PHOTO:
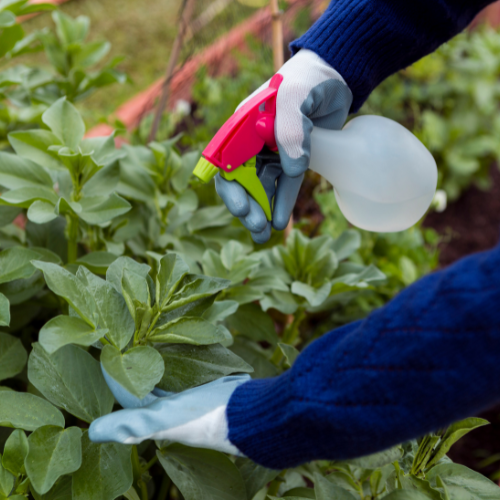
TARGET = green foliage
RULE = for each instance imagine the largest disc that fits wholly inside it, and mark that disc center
(127, 264)
(403, 257)
(449, 100)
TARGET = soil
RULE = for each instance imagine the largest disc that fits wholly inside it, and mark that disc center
(471, 224)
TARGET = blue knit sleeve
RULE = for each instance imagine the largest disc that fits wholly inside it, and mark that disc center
(368, 40)
(429, 357)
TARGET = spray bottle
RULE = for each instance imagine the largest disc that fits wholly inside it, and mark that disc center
(383, 176)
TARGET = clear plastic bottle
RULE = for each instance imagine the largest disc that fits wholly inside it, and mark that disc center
(384, 177)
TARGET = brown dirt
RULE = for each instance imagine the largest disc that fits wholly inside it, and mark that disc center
(471, 224)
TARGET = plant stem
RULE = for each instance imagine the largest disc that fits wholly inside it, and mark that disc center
(72, 238)
(275, 484)
(137, 471)
(150, 463)
(165, 486)
(144, 490)
(289, 336)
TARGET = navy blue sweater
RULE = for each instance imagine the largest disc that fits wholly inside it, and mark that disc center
(368, 40)
(429, 357)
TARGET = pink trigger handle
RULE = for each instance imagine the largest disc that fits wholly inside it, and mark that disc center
(247, 131)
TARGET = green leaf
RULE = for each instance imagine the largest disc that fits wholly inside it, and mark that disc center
(134, 286)
(197, 287)
(315, 296)
(6, 481)
(70, 288)
(65, 122)
(112, 311)
(326, 490)
(250, 321)
(409, 271)
(64, 330)
(23, 197)
(15, 451)
(4, 317)
(406, 494)
(188, 366)
(423, 486)
(13, 356)
(453, 433)
(34, 145)
(60, 491)
(138, 370)
(91, 53)
(187, 330)
(115, 271)
(8, 214)
(346, 244)
(7, 19)
(255, 476)
(212, 264)
(26, 411)
(244, 294)
(17, 172)
(97, 262)
(289, 352)
(230, 253)
(41, 212)
(38, 7)
(379, 459)
(210, 217)
(70, 30)
(463, 483)
(102, 209)
(59, 378)
(104, 182)
(53, 451)
(9, 37)
(200, 473)
(172, 271)
(15, 263)
(255, 356)
(220, 310)
(49, 236)
(106, 471)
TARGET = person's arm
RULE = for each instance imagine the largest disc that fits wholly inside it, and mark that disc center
(368, 40)
(431, 356)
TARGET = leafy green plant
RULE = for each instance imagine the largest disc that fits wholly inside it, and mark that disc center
(166, 213)
(403, 257)
(125, 261)
(28, 90)
(449, 99)
(57, 172)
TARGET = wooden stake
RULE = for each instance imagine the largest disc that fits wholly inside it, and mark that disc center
(277, 24)
(279, 59)
(187, 13)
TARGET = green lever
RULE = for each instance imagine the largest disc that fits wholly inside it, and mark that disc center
(246, 176)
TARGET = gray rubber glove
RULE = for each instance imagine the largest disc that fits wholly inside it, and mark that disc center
(312, 94)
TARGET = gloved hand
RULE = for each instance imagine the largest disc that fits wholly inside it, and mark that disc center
(195, 417)
(312, 94)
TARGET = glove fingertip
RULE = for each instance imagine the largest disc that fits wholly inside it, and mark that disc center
(263, 236)
(233, 196)
(124, 397)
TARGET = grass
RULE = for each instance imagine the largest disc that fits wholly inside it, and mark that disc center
(143, 32)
